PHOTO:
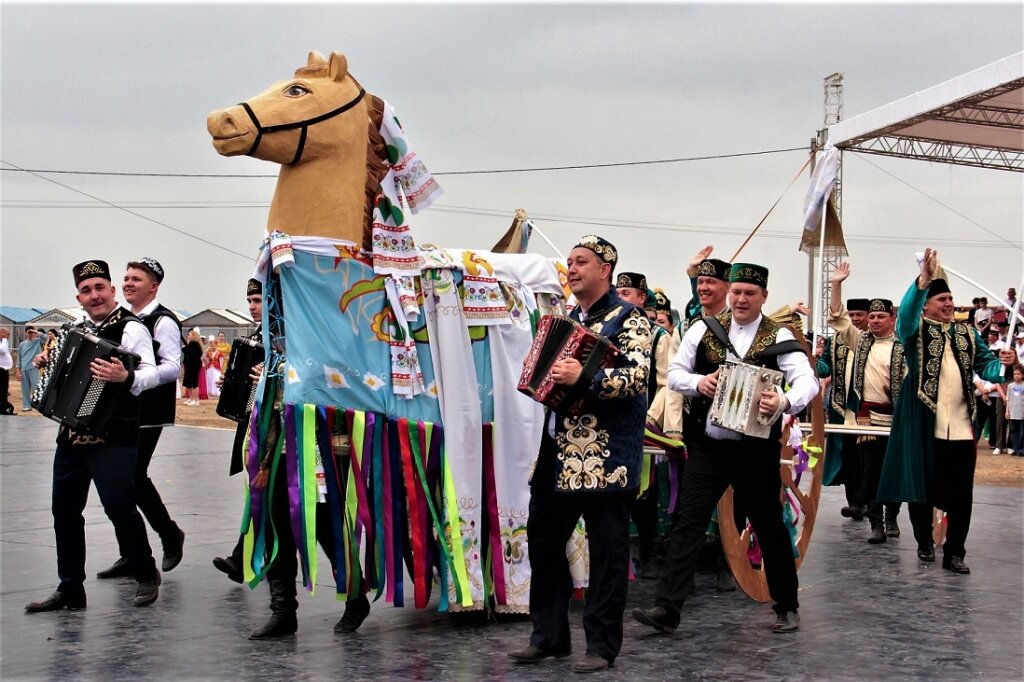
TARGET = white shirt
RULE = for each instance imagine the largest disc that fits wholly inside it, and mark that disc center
(167, 335)
(135, 337)
(6, 361)
(803, 384)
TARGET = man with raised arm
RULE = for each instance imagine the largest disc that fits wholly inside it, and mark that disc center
(931, 455)
(877, 371)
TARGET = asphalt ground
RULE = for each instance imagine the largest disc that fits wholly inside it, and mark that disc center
(869, 612)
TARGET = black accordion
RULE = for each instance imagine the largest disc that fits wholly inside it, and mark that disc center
(559, 338)
(238, 393)
(69, 394)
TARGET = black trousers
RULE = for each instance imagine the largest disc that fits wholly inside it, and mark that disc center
(871, 454)
(553, 516)
(850, 473)
(113, 471)
(146, 496)
(5, 388)
(644, 512)
(285, 568)
(753, 472)
(954, 493)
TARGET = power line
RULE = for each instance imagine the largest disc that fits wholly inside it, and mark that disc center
(537, 169)
(937, 201)
(502, 213)
(130, 212)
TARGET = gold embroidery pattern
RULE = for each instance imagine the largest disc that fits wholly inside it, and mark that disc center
(932, 346)
(896, 365)
(634, 340)
(897, 370)
(583, 450)
(605, 251)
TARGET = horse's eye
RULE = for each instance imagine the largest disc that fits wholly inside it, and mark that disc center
(296, 90)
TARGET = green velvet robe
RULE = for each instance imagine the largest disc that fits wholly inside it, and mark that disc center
(909, 468)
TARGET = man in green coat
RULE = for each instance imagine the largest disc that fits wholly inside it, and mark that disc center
(931, 455)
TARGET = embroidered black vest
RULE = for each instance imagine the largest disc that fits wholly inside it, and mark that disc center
(123, 428)
(840, 356)
(930, 350)
(711, 355)
(157, 405)
(897, 365)
(652, 381)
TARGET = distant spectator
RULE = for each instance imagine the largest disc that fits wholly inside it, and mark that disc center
(1011, 300)
(28, 373)
(6, 363)
(976, 302)
(983, 315)
(1019, 347)
(1015, 411)
(192, 361)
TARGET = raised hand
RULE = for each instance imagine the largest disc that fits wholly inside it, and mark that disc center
(691, 267)
(841, 272)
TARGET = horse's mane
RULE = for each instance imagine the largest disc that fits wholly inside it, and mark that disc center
(377, 165)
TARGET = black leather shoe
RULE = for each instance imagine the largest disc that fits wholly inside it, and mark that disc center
(591, 663)
(926, 552)
(278, 625)
(356, 611)
(173, 551)
(956, 564)
(56, 602)
(853, 512)
(227, 566)
(788, 621)
(892, 529)
(122, 568)
(147, 592)
(658, 617)
(877, 536)
(534, 654)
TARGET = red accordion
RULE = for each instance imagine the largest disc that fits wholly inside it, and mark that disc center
(559, 338)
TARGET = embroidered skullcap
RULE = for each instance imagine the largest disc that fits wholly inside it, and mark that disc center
(151, 266)
(712, 267)
(858, 305)
(254, 286)
(938, 286)
(91, 268)
(748, 273)
(662, 303)
(631, 280)
(600, 246)
(880, 305)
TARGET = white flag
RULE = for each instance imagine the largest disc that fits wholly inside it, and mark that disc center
(823, 180)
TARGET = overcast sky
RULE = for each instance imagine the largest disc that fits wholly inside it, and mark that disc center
(127, 88)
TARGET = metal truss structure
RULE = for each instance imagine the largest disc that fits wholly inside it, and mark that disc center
(980, 110)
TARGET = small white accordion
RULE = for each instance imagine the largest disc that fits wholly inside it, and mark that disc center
(735, 406)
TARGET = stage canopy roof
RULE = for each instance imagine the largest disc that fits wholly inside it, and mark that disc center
(976, 119)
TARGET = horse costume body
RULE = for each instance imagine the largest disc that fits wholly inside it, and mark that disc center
(401, 358)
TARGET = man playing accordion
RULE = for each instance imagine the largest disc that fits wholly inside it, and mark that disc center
(589, 466)
(108, 458)
(719, 458)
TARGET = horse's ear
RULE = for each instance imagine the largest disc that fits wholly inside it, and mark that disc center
(339, 66)
(316, 58)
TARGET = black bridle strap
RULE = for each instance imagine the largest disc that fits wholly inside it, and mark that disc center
(261, 129)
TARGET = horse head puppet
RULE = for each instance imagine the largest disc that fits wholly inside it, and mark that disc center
(320, 124)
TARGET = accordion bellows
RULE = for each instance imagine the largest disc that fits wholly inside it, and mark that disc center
(560, 338)
(738, 396)
(68, 392)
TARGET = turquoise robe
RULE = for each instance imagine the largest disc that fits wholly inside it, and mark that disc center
(908, 473)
